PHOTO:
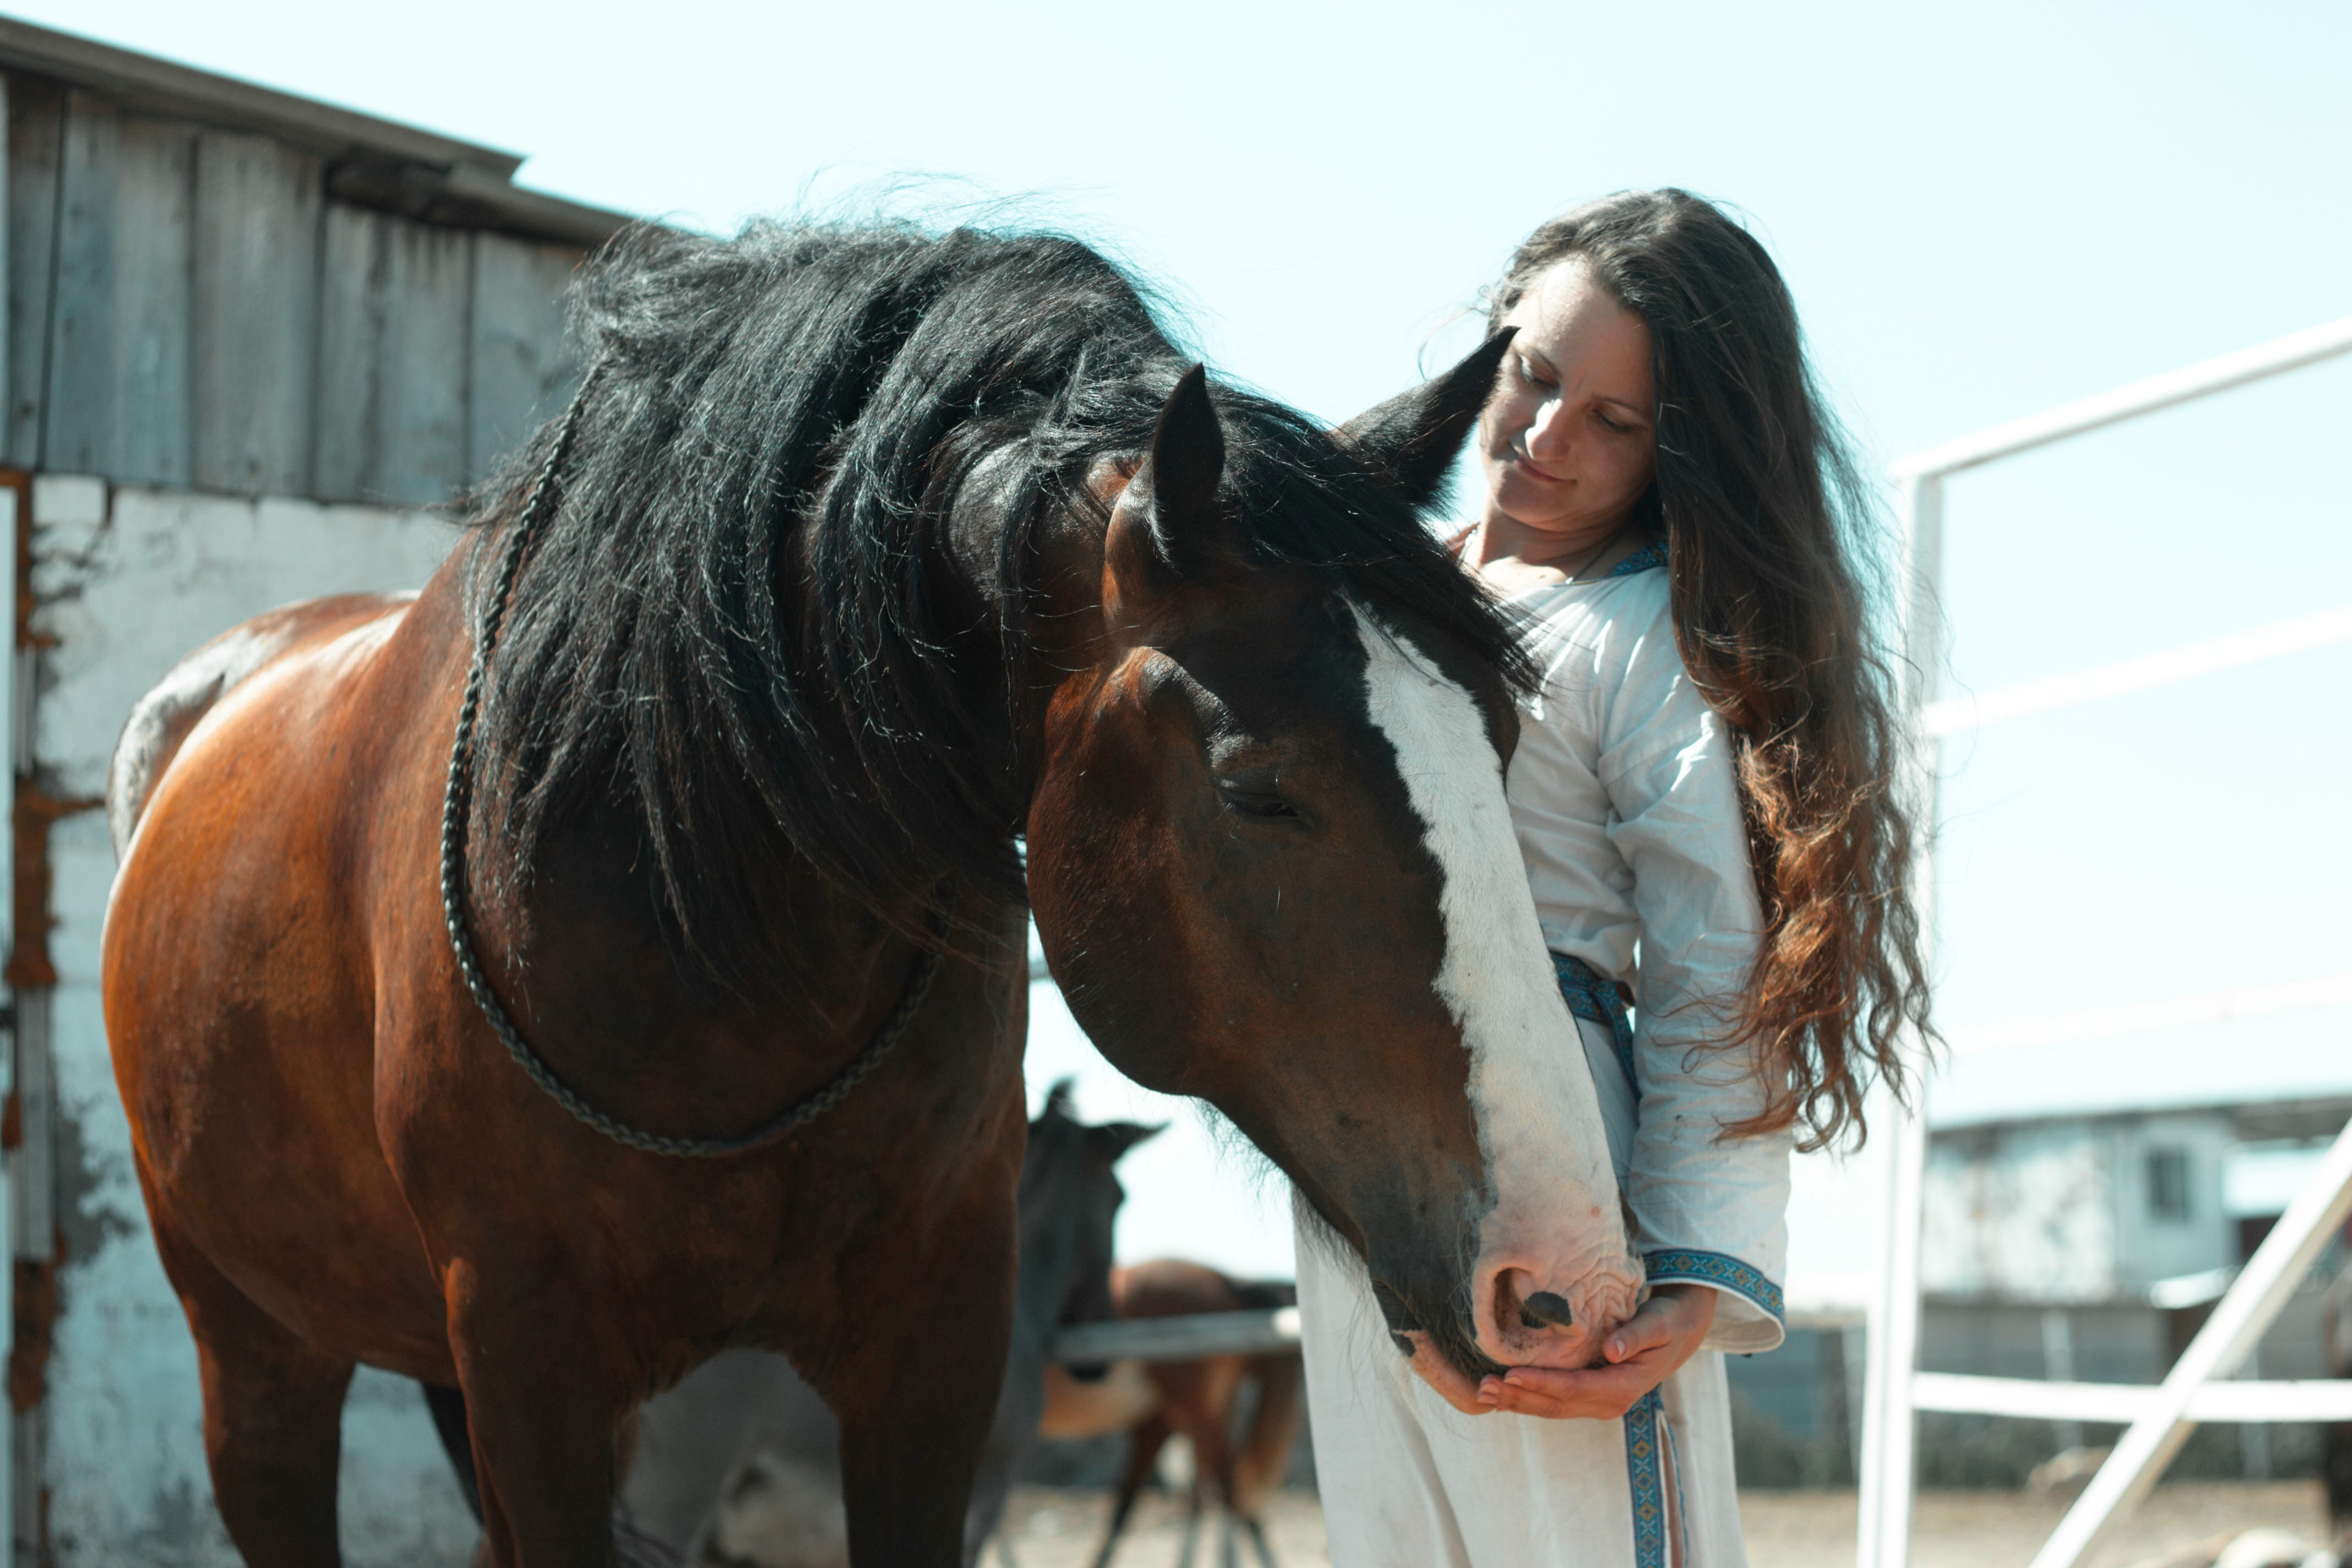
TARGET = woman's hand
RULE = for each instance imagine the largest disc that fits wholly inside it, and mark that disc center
(1643, 1351)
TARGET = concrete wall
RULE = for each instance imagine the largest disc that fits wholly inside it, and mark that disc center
(127, 579)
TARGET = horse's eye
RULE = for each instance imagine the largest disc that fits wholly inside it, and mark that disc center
(1263, 804)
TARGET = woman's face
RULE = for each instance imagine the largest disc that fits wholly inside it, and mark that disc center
(1567, 438)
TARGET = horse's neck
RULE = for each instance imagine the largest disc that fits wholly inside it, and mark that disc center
(590, 883)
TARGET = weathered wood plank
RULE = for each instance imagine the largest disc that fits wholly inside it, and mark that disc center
(118, 384)
(154, 211)
(37, 111)
(81, 322)
(351, 261)
(255, 349)
(6, 270)
(393, 310)
(524, 365)
(425, 364)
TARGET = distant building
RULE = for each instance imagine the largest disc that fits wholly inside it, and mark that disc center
(2125, 1209)
(2076, 1210)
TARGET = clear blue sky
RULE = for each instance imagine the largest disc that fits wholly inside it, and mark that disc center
(1984, 210)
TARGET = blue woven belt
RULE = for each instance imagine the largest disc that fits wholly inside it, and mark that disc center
(1593, 996)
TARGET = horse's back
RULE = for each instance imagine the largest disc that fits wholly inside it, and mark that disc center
(161, 723)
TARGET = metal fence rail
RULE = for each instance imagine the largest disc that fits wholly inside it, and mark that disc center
(1187, 1338)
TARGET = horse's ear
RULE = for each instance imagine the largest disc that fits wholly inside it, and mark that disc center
(1114, 1139)
(1166, 528)
(1413, 438)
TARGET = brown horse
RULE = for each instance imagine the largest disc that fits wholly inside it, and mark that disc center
(862, 554)
(1198, 1400)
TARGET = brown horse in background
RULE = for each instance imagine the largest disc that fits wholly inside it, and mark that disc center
(1199, 1400)
(862, 554)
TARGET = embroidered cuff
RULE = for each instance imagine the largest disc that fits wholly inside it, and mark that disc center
(1716, 1268)
(1750, 1320)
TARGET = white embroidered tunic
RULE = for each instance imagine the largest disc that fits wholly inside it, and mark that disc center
(1625, 800)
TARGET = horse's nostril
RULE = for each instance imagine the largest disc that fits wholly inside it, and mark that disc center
(1403, 1345)
(1546, 1309)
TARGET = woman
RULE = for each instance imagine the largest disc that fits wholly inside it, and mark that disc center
(1701, 792)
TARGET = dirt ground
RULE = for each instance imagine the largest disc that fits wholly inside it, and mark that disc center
(1052, 1529)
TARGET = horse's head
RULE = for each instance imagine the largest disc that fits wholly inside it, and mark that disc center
(1272, 865)
(1070, 1197)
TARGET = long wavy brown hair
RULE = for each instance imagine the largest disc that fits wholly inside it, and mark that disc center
(1770, 540)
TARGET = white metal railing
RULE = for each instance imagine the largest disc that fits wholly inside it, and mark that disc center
(1955, 714)
(2160, 1416)
(2121, 1404)
(2203, 379)
(1187, 1337)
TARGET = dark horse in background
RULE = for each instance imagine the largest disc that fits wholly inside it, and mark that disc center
(869, 552)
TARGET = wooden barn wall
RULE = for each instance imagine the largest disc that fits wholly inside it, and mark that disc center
(187, 309)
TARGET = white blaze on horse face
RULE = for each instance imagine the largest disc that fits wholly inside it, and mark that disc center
(1557, 1224)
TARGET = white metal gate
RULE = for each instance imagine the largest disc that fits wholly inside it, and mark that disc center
(2161, 1416)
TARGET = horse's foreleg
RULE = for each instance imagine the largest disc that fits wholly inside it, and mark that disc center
(916, 1399)
(1212, 1466)
(1257, 1527)
(1193, 1508)
(545, 1417)
(1143, 1445)
(273, 1417)
(908, 1457)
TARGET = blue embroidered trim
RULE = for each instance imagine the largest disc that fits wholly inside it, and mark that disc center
(1594, 997)
(1646, 1468)
(1650, 555)
(1715, 1268)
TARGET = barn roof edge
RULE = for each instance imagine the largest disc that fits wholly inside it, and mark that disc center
(419, 173)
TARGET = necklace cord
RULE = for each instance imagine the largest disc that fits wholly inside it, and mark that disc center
(456, 802)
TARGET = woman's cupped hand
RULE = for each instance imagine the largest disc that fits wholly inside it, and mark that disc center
(1641, 1352)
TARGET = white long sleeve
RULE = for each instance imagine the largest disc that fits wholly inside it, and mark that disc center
(1625, 799)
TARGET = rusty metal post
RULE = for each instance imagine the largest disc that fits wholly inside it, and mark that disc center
(28, 1120)
(26, 1124)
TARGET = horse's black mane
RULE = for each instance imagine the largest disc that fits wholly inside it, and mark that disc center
(742, 625)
